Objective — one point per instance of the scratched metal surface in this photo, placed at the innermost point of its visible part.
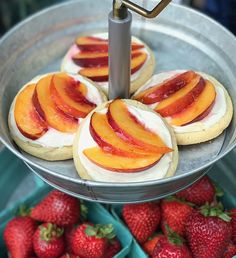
(180, 38)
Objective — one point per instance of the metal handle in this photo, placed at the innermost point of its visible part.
(120, 8)
(120, 44)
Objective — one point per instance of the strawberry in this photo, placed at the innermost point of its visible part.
(113, 248)
(208, 231)
(18, 236)
(48, 241)
(230, 251)
(58, 208)
(142, 219)
(91, 241)
(233, 223)
(67, 255)
(172, 246)
(174, 213)
(151, 243)
(69, 234)
(199, 193)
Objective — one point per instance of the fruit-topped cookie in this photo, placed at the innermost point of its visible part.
(88, 56)
(47, 112)
(195, 104)
(124, 141)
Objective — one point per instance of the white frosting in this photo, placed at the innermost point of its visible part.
(217, 112)
(54, 138)
(70, 67)
(158, 171)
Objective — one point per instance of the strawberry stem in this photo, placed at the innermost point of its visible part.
(23, 211)
(218, 190)
(50, 231)
(101, 231)
(214, 210)
(180, 200)
(83, 211)
(173, 237)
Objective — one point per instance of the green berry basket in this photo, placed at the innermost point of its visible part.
(223, 173)
(96, 214)
(17, 185)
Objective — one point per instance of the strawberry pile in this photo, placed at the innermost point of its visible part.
(190, 224)
(57, 228)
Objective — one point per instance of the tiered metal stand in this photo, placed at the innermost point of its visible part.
(181, 38)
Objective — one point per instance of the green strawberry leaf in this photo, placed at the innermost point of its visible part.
(23, 211)
(215, 210)
(91, 231)
(83, 211)
(173, 237)
(50, 231)
(218, 190)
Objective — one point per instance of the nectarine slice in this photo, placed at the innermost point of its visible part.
(109, 141)
(46, 107)
(91, 59)
(100, 74)
(201, 104)
(93, 44)
(130, 129)
(119, 163)
(95, 59)
(182, 98)
(96, 44)
(204, 114)
(28, 121)
(163, 90)
(67, 96)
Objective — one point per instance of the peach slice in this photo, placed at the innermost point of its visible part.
(45, 106)
(28, 121)
(95, 44)
(94, 59)
(109, 141)
(118, 163)
(201, 104)
(204, 114)
(100, 74)
(182, 98)
(131, 130)
(66, 94)
(91, 59)
(163, 90)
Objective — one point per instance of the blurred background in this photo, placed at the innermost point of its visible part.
(12, 11)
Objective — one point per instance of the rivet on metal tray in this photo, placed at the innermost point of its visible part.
(120, 44)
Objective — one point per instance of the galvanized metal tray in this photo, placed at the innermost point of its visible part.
(181, 38)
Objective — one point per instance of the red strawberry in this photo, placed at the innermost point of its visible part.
(69, 256)
(18, 236)
(142, 219)
(199, 193)
(208, 232)
(57, 207)
(49, 241)
(151, 243)
(91, 241)
(172, 247)
(174, 213)
(230, 251)
(113, 248)
(233, 223)
(69, 234)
